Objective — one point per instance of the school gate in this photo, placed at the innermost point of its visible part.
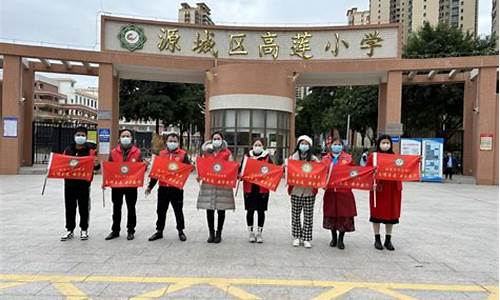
(250, 75)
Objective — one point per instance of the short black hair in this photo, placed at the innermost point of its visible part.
(81, 129)
(174, 134)
(126, 129)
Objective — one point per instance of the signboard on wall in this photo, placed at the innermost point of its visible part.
(432, 159)
(10, 127)
(256, 43)
(486, 142)
(104, 138)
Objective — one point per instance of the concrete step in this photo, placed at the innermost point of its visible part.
(37, 169)
(460, 179)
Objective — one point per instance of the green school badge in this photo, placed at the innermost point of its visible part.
(132, 37)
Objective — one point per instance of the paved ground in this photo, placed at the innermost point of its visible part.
(446, 248)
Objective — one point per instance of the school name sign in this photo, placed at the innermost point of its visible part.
(254, 43)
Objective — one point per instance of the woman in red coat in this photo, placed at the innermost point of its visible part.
(388, 199)
(339, 206)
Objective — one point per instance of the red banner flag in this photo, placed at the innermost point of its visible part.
(217, 172)
(123, 174)
(306, 173)
(71, 167)
(262, 173)
(351, 177)
(397, 167)
(170, 171)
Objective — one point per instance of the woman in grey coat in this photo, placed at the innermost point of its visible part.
(212, 197)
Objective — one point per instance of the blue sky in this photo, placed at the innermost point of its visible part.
(71, 23)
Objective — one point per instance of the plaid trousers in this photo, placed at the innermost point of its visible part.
(299, 204)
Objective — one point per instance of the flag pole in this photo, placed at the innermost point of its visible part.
(47, 175)
(243, 166)
(103, 197)
(374, 180)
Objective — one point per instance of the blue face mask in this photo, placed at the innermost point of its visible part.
(336, 148)
(304, 147)
(172, 146)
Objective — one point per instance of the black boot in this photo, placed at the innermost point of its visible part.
(112, 235)
(156, 236)
(218, 236)
(378, 242)
(341, 240)
(387, 243)
(211, 236)
(333, 242)
(182, 236)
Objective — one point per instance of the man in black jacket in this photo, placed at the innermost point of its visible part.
(77, 192)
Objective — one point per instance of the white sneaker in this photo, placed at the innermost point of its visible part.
(307, 244)
(68, 236)
(251, 235)
(258, 237)
(296, 243)
(84, 235)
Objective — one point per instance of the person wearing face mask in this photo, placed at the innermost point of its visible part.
(339, 206)
(388, 199)
(214, 198)
(256, 197)
(168, 194)
(77, 192)
(126, 151)
(302, 198)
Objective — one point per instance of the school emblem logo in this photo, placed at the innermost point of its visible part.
(399, 162)
(124, 169)
(73, 163)
(307, 168)
(217, 168)
(132, 37)
(353, 173)
(264, 170)
(173, 166)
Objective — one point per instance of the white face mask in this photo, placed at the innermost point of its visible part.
(172, 145)
(217, 143)
(80, 140)
(257, 150)
(125, 141)
(385, 146)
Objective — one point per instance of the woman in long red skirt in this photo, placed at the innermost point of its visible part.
(386, 208)
(339, 206)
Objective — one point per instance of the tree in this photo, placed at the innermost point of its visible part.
(439, 108)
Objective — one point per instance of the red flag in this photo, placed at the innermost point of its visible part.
(262, 173)
(123, 174)
(351, 177)
(306, 173)
(217, 172)
(71, 167)
(170, 171)
(398, 167)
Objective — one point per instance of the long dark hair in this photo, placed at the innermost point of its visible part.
(379, 140)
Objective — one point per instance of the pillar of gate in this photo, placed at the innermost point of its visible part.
(12, 115)
(389, 106)
(108, 111)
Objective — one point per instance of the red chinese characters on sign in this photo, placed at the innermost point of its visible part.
(398, 167)
(170, 171)
(306, 174)
(217, 172)
(123, 174)
(351, 177)
(262, 173)
(71, 167)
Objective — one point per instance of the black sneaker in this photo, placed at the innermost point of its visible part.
(156, 236)
(182, 236)
(112, 235)
(130, 236)
(84, 235)
(68, 236)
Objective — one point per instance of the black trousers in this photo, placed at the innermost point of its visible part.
(448, 172)
(167, 195)
(221, 216)
(77, 197)
(130, 199)
(261, 216)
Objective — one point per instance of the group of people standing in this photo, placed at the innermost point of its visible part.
(339, 205)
